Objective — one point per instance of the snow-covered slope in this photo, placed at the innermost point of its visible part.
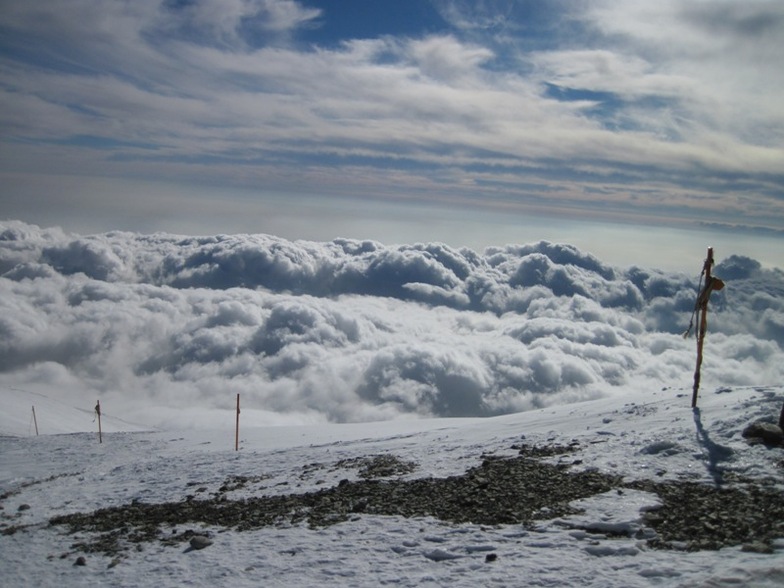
(27, 411)
(640, 436)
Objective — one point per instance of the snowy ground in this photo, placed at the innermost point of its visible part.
(638, 436)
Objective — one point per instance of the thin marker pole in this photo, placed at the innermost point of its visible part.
(237, 428)
(711, 284)
(98, 412)
(35, 422)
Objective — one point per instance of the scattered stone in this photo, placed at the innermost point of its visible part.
(441, 555)
(757, 547)
(696, 516)
(378, 466)
(80, 561)
(549, 450)
(200, 541)
(23, 507)
(768, 433)
(502, 490)
(490, 558)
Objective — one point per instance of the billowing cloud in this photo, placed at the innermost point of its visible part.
(355, 330)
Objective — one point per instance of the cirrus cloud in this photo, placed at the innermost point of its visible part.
(626, 110)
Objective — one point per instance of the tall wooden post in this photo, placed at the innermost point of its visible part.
(98, 412)
(237, 428)
(35, 422)
(701, 307)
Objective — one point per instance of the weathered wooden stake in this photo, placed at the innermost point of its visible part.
(237, 428)
(98, 412)
(35, 422)
(701, 307)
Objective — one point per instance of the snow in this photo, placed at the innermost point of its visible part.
(654, 435)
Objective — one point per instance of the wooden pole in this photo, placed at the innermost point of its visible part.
(35, 422)
(98, 412)
(711, 284)
(237, 428)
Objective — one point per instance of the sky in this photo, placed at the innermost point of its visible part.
(634, 130)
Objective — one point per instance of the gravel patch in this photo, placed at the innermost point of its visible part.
(501, 491)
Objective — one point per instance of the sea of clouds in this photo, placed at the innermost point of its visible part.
(168, 329)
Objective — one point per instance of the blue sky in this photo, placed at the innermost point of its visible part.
(471, 122)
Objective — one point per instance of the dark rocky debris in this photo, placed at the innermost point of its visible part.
(699, 516)
(502, 490)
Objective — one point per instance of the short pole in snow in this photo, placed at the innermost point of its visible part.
(35, 422)
(98, 413)
(701, 308)
(237, 428)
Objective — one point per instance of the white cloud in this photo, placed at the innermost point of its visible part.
(446, 58)
(225, 19)
(351, 330)
(727, 49)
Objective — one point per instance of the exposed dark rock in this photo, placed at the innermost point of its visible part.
(768, 433)
(757, 547)
(502, 490)
(545, 450)
(701, 516)
(200, 541)
(499, 491)
(379, 466)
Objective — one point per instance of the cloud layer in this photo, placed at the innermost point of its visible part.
(354, 330)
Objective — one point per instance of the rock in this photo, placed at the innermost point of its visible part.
(441, 555)
(501, 491)
(757, 547)
(769, 433)
(23, 507)
(490, 557)
(200, 541)
(80, 561)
